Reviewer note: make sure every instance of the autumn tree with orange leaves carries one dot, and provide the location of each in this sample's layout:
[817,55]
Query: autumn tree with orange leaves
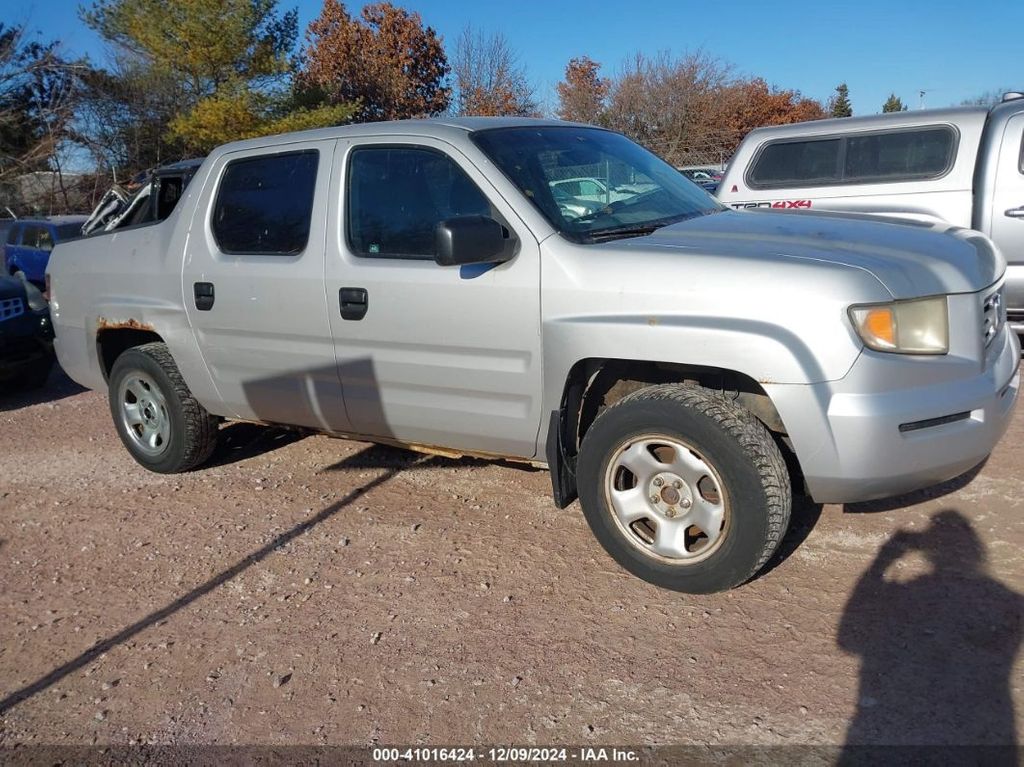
[386,61]
[753,103]
[583,94]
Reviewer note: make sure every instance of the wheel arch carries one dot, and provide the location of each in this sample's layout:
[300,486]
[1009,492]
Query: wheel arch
[114,339]
[595,383]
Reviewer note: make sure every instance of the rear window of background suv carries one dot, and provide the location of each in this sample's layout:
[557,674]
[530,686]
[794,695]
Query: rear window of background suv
[875,156]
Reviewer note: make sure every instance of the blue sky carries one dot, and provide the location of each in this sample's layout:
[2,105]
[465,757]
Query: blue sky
[950,50]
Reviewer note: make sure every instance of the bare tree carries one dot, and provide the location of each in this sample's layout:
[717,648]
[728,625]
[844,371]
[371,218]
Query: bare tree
[36,102]
[124,114]
[671,104]
[489,78]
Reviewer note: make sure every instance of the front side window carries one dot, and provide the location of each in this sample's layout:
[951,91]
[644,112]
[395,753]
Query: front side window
[398,195]
[13,235]
[31,235]
[591,184]
[264,204]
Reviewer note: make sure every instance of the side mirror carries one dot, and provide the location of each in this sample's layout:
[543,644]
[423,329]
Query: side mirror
[471,240]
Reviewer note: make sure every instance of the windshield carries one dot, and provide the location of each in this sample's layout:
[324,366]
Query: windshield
[591,184]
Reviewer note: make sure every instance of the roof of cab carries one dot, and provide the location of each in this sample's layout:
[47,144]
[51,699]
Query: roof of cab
[952,115]
[190,164]
[438,127]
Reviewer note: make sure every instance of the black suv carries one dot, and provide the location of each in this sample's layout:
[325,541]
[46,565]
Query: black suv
[26,336]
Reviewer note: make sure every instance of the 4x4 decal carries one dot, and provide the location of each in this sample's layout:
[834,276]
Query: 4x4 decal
[778,204]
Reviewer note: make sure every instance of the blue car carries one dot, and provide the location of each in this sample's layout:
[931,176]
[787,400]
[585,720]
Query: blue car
[29,242]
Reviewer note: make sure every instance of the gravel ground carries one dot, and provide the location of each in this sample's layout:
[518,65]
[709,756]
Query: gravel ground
[318,591]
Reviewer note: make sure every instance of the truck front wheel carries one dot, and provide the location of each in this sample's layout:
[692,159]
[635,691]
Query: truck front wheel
[159,421]
[684,488]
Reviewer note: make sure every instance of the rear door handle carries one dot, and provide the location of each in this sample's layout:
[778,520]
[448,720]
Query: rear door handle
[1015,212]
[354,302]
[203,292]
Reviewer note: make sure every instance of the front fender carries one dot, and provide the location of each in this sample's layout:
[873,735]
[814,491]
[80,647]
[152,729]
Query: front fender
[759,349]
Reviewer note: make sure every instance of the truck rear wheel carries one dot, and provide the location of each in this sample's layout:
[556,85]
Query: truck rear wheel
[159,421]
[684,488]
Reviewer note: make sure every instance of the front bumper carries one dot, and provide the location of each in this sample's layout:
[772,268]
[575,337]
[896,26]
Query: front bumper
[847,436]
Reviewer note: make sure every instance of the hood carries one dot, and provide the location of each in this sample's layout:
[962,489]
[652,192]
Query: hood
[910,259]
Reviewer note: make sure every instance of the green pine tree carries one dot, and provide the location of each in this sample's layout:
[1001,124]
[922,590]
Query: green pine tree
[839,104]
[894,104]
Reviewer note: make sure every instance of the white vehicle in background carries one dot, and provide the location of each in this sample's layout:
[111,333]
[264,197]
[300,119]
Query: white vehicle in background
[962,166]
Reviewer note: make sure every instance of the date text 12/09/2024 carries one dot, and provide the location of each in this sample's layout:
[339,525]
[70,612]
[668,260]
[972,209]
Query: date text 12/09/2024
[387,755]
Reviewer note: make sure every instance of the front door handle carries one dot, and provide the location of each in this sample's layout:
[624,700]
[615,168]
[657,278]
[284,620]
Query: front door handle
[1015,212]
[203,292]
[354,302]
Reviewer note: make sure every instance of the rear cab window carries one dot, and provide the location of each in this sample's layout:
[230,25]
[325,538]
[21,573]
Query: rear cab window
[264,204]
[904,154]
[68,232]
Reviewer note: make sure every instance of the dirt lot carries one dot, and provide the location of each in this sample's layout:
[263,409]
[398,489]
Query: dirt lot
[309,590]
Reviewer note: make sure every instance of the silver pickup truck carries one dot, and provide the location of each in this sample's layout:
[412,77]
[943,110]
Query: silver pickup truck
[682,367]
[963,166]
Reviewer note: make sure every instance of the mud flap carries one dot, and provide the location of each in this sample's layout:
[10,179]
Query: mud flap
[561,466]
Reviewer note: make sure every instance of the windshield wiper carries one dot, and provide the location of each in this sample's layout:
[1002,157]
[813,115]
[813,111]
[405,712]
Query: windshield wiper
[639,230]
[621,232]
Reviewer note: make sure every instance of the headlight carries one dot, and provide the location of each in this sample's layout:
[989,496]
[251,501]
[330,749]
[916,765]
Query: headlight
[920,326]
[36,301]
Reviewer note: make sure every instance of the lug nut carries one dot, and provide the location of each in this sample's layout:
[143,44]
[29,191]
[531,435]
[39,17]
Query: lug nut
[658,482]
[670,513]
[685,503]
[654,499]
[677,485]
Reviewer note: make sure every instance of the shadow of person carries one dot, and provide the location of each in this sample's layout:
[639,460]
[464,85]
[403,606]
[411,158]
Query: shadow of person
[937,649]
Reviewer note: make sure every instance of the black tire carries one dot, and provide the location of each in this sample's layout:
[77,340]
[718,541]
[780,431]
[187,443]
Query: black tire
[191,431]
[724,437]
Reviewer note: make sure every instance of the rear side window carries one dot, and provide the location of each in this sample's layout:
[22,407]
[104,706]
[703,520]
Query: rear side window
[861,158]
[904,154]
[265,203]
[397,196]
[13,235]
[797,163]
